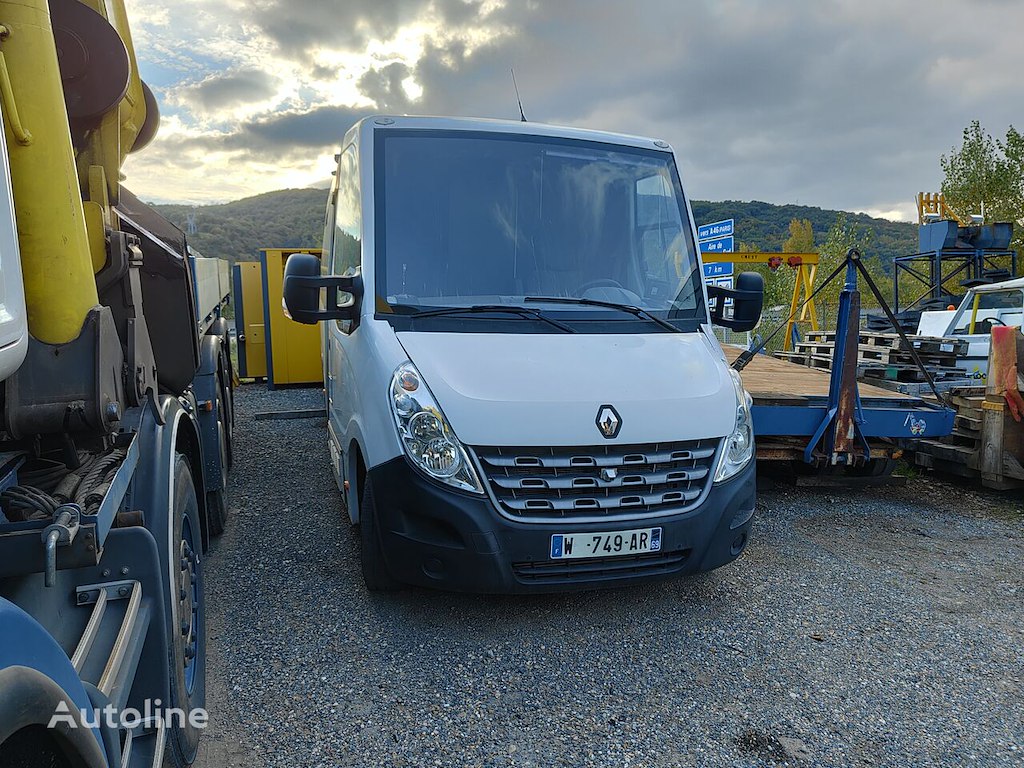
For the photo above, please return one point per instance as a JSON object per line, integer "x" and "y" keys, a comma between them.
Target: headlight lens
{"x": 739, "y": 446}
{"x": 426, "y": 436}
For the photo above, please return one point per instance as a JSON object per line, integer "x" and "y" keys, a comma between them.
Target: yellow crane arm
{"x": 57, "y": 268}
{"x": 70, "y": 121}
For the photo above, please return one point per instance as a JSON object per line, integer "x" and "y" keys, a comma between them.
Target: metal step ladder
{"x": 107, "y": 658}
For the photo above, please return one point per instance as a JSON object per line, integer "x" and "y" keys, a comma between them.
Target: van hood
{"x": 547, "y": 389}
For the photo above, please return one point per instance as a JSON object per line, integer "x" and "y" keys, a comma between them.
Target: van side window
{"x": 348, "y": 218}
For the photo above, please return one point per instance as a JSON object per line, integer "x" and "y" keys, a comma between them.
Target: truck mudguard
{"x": 207, "y": 388}
{"x": 35, "y": 677}
{"x": 165, "y": 428}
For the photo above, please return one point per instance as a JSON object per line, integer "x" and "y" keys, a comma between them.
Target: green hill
{"x": 288, "y": 218}
{"x": 294, "y": 218}
{"x": 765, "y": 226}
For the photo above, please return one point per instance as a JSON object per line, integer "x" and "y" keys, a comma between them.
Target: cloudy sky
{"x": 838, "y": 103}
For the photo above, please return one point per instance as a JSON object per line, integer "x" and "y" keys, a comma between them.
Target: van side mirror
{"x": 747, "y": 301}
{"x": 303, "y": 284}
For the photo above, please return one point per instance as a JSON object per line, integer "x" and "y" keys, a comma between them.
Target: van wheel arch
{"x": 355, "y": 474}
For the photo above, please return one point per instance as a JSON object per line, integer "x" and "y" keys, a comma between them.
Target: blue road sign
{"x": 717, "y": 229}
{"x": 717, "y": 270}
{"x": 719, "y": 245}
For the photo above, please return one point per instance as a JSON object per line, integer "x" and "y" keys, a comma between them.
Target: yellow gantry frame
{"x": 806, "y": 270}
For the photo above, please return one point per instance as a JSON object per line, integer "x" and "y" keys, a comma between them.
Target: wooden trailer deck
{"x": 790, "y": 404}
{"x": 773, "y": 381}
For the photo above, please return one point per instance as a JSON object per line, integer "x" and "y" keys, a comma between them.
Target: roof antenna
{"x": 522, "y": 117}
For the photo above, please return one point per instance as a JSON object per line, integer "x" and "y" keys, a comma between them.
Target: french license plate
{"x": 567, "y": 546}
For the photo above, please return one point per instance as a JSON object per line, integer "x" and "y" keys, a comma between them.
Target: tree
{"x": 801, "y": 237}
{"x": 986, "y": 174}
{"x": 779, "y": 283}
{"x": 840, "y": 239}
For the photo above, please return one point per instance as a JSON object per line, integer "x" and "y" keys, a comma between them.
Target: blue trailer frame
{"x": 838, "y": 427}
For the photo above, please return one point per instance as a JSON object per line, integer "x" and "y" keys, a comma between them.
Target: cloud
{"x": 317, "y": 128}
{"x": 228, "y": 89}
{"x": 838, "y": 103}
{"x": 298, "y": 27}
{"x": 833, "y": 104}
{"x": 386, "y": 87}
{"x": 202, "y": 166}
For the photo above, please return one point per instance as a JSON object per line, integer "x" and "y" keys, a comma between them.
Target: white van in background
{"x": 524, "y": 391}
{"x": 984, "y": 307}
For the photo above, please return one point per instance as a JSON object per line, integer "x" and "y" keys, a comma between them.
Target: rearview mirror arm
{"x": 352, "y": 284}
{"x": 722, "y": 293}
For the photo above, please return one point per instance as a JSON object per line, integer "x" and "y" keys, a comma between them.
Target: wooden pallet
{"x": 963, "y": 461}
{"x": 967, "y": 398}
{"x": 803, "y": 358}
{"x": 986, "y": 444}
{"x": 877, "y": 370}
{"x": 882, "y": 354}
{"x": 893, "y": 341}
{"x": 923, "y": 389}
{"x": 905, "y": 373}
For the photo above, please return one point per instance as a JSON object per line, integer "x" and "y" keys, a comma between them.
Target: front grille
{"x": 604, "y": 481}
{"x": 600, "y": 569}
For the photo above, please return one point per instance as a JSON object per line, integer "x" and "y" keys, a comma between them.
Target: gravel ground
{"x": 871, "y": 627}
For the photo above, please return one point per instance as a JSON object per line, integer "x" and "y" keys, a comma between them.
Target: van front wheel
{"x": 375, "y": 570}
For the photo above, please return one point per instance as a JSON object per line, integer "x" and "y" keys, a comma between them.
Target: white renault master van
{"x": 524, "y": 392}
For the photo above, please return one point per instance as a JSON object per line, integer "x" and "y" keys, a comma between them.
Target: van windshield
{"x": 995, "y": 307}
{"x": 468, "y": 219}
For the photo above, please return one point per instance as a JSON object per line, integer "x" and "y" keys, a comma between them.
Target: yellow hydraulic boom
{"x": 56, "y": 263}
{"x": 69, "y": 123}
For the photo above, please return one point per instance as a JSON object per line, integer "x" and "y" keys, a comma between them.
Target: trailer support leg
{"x": 840, "y": 430}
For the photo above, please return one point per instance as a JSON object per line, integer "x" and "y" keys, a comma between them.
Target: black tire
{"x": 225, "y": 380}
{"x": 187, "y": 621}
{"x": 216, "y": 501}
{"x": 875, "y": 468}
{"x": 375, "y": 570}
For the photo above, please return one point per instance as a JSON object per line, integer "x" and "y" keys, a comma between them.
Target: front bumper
{"x": 445, "y": 539}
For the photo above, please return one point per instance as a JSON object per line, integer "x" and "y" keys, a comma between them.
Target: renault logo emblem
{"x": 608, "y": 421}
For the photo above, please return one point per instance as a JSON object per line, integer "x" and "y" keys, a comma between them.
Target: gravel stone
{"x": 877, "y": 627}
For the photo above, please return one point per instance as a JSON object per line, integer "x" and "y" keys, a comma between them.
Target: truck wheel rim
{"x": 188, "y": 605}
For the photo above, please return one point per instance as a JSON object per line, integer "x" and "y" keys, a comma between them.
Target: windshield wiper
{"x": 528, "y": 312}
{"x": 635, "y": 311}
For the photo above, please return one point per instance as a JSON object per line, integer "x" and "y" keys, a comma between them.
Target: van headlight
{"x": 425, "y": 433}
{"x": 739, "y": 446}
